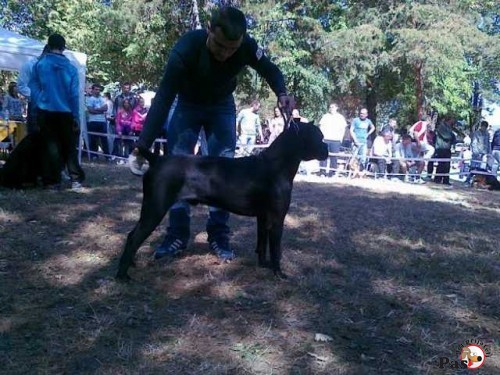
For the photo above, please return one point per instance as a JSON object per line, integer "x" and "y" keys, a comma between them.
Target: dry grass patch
{"x": 397, "y": 275}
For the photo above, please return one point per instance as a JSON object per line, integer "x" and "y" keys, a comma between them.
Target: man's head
{"x": 333, "y": 108}
{"x": 406, "y": 140}
{"x": 56, "y": 43}
{"x": 96, "y": 89}
{"x": 126, "y": 87}
{"x": 255, "y": 106}
{"x": 363, "y": 113}
{"x": 484, "y": 125}
{"x": 387, "y": 135}
{"x": 227, "y": 28}
{"x": 393, "y": 123}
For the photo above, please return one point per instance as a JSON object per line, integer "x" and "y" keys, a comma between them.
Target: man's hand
{"x": 136, "y": 163}
{"x": 286, "y": 103}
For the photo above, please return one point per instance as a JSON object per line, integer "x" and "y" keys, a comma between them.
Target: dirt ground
{"x": 397, "y": 276}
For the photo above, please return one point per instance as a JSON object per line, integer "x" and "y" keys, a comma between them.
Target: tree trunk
{"x": 371, "y": 101}
{"x": 419, "y": 83}
{"x": 195, "y": 16}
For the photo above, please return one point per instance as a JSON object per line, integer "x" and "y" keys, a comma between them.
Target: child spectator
{"x": 465, "y": 160}
{"x": 139, "y": 116}
{"x": 124, "y": 128}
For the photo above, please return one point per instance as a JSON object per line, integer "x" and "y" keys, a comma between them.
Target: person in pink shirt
{"x": 123, "y": 126}
{"x": 139, "y": 116}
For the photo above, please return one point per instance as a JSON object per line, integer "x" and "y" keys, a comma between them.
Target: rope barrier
{"x": 345, "y": 157}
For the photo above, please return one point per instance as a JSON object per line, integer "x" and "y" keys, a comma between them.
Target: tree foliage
{"x": 390, "y": 55}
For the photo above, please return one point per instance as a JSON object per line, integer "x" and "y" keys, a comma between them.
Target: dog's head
{"x": 311, "y": 137}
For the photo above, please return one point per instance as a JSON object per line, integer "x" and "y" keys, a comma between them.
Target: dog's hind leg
{"x": 154, "y": 207}
{"x": 262, "y": 238}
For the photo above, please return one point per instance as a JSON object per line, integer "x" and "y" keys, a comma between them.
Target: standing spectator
{"x": 495, "y": 151}
{"x": 276, "y": 125}
{"x": 125, "y": 94}
{"x": 248, "y": 125}
{"x": 419, "y": 132}
{"x": 333, "y": 126}
{"x": 97, "y": 108}
{"x": 124, "y": 118}
{"x": 445, "y": 138}
{"x": 110, "y": 120}
{"x": 56, "y": 97}
{"x": 480, "y": 145}
{"x": 361, "y": 128}
{"x": 23, "y": 82}
{"x": 297, "y": 116}
{"x": 13, "y": 105}
{"x": 139, "y": 116}
{"x": 201, "y": 71}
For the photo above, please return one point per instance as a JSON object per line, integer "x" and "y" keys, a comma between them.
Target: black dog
{"x": 258, "y": 186}
{"x": 484, "y": 179}
{"x": 24, "y": 165}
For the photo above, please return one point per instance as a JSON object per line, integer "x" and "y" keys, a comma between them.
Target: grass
{"x": 398, "y": 275}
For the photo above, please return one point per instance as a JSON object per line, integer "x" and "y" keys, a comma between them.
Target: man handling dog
{"x": 201, "y": 72}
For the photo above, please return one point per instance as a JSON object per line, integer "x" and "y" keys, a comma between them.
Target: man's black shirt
{"x": 196, "y": 77}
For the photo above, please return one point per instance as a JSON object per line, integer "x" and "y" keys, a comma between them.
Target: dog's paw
{"x": 280, "y": 275}
{"x": 123, "y": 277}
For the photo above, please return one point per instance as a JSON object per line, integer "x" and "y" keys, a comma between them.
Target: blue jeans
{"x": 218, "y": 121}
{"x": 359, "y": 150}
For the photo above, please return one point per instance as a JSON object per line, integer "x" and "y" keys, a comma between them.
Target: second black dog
{"x": 258, "y": 186}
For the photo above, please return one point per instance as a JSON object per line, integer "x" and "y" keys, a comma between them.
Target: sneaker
{"x": 121, "y": 162}
{"x": 65, "y": 175}
{"x": 170, "y": 247}
{"x": 420, "y": 181}
{"x": 137, "y": 164}
{"x": 222, "y": 250}
{"x": 76, "y": 186}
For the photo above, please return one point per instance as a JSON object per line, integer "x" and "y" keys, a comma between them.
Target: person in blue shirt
{"x": 55, "y": 92}
{"x": 201, "y": 72}
{"x": 361, "y": 128}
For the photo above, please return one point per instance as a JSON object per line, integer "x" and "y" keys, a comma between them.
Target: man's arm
{"x": 351, "y": 131}
{"x": 24, "y": 79}
{"x": 74, "y": 99}
{"x": 175, "y": 71}
{"x": 372, "y": 129}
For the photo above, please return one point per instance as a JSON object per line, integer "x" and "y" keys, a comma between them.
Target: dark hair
{"x": 484, "y": 123}
{"x": 107, "y": 95}
{"x": 97, "y": 85}
{"x": 11, "y": 89}
{"x": 231, "y": 21}
{"x": 57, "y": 41}
{"x": 406, "y": 136}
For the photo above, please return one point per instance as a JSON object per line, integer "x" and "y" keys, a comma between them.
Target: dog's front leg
{"x": 262, "y": 237}
{"x": 275, "y": 235}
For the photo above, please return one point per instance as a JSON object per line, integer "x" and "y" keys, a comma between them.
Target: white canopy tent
{"x": 16, "y": 49}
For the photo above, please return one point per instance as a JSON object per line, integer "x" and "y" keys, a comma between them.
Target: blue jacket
{"x": 54, "y": 85}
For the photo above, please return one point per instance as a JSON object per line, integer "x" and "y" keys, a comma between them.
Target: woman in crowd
{"x": 139, "y": 116}
{"x": 124, "y": 128}
{"x": 276, "y": 125}
{"x": 13, "y": 105}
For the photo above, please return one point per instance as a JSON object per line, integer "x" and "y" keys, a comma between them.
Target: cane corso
{"x": 259, "y": 185}
{"x": 23, "y": 166}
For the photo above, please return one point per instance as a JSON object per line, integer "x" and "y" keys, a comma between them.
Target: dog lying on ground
{"x": 23, "y": 166}
{"x": 354, "y": 168}
{"x": 257, "y": 185}
{"x": 484, "y": 180}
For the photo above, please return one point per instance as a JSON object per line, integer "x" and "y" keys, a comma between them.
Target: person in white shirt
{"x": 97, "y": 108}
{"x": 382, "y": 149}
{"x": 248, "y": 125}
{"x": 333, "y": 126}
